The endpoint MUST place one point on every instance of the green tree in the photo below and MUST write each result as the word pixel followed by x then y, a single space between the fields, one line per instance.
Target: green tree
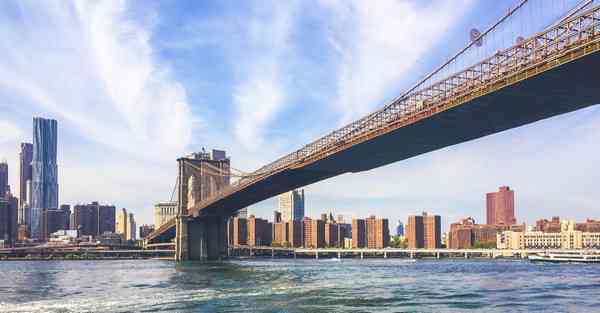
pixel 398 242
pixel 490 244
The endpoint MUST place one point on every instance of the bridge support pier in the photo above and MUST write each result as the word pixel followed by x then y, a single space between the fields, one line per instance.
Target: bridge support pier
pixel 207 238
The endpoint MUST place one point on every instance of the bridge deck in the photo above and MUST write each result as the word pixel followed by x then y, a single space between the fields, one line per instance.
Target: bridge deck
pixel 552 73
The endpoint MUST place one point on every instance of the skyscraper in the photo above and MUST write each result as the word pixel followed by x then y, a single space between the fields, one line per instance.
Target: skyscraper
pixel 3 179
pixel 131 228
pixel 400 228
pixel 44 181
pixel 500 207
pixel 121 223
pixel 291 205
pixel 25 158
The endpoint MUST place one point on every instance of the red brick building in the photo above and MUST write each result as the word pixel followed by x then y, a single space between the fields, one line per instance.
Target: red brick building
pixel 259 232
pixel 314 233
pixel 466 233
pixel 500 207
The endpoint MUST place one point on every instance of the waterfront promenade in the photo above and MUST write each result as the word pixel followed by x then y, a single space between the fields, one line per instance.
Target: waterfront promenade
pixel 247 251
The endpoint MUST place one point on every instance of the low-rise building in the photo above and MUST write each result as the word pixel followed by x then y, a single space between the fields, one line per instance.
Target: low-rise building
pixel 567 239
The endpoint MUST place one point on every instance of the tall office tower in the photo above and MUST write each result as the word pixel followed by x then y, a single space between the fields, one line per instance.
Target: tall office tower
pixel 400 228
pixel 340 219
pixel 291 205
pixel 500 207
pixel 358 233
pixel 3 179
pixel 414 232
pixel 44 179
pixel 432 231
pixel 25 158
pixel 121 223
pixel 131 228
pixel 377 232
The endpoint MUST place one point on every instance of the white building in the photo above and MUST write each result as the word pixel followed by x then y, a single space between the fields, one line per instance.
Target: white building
pixel 569 239
pixel 163 212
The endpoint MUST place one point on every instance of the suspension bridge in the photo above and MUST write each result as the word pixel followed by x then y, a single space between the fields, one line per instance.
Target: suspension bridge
pixel 487 87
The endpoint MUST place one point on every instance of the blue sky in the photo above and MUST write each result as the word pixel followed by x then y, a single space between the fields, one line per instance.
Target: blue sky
pixel 134 85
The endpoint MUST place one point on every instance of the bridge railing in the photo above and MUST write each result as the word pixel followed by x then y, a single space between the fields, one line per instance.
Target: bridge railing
pixel 550 43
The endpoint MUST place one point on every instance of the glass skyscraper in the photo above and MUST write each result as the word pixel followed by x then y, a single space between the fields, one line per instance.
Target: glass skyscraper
pixel 291 205
pixel 44 180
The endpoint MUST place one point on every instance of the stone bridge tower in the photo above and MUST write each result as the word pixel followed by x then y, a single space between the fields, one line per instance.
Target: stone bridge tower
pixel 202 236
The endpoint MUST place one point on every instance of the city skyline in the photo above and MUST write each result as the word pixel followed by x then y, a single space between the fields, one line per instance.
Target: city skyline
pixel 128 143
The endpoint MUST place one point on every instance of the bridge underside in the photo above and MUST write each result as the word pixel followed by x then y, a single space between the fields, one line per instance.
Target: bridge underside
pixel 563 89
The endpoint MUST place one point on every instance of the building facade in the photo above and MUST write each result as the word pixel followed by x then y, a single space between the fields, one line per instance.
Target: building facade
pixel 467 234
pixel 295 233
pixel 25 159
pixel 121 223
pixel 332 238
pixel 146 230
pixel 8 220
pixel 94 219
pixel 291 205
pixel 500 207
pixel 57 219
pixel 568 238
pixel 359 229
pixel 280 234
pixel 259 232
pixel 415 232
pixel 378 232
pixel 131 228
pixel 163 212
pixel 314 233
pixel 4 189
pixel 238 231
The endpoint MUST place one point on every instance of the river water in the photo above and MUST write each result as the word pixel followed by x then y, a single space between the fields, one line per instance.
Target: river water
pixel 349 285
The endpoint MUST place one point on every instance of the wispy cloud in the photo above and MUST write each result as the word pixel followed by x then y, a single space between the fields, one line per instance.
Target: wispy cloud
pixel 121 111
pixel 9 132
pixel 87 63
pixel 378 42
pixel 260 91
